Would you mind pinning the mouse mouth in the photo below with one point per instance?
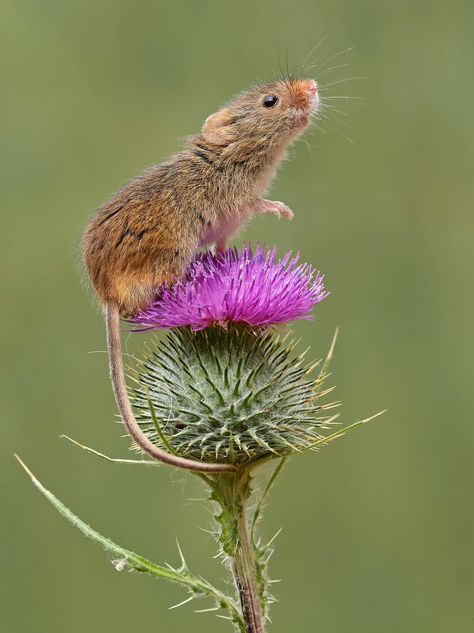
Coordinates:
(302, 116)
(306, 102)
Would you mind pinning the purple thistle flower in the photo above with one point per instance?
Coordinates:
(238, 287)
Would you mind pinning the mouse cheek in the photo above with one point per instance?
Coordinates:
(299, 119)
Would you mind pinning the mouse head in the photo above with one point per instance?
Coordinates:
(269, 115)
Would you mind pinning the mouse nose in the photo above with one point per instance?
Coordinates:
(305, 95)
(311, 87)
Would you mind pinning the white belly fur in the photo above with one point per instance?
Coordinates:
(224, 229)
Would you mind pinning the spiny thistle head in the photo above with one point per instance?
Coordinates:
(236, 287)
(228, 395)
(220, 387)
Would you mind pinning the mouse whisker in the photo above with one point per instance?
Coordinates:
(348, 97)
(340, 121)
(282, 74)
(285, 77)
(328, 115)
(328, 106)
(336, 55)
(306, 60)
(340, 81)
(315, 64)
(327, 109)
(332, 69)
(322, 68)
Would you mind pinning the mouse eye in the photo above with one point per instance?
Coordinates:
(270, 100)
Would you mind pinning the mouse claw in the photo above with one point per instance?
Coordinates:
(276, 208)
(280, 209)
(286, 212)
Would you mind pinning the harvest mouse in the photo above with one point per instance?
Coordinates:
(148, 232)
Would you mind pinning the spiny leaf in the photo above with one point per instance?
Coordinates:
(258, 508)
(344, 431)
(140, 462)
(182, 576)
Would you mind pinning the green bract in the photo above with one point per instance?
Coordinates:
(229, 395)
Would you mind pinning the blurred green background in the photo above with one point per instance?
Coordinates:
(378, 528)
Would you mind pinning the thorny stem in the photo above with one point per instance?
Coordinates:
(243, 570)
(232, 491)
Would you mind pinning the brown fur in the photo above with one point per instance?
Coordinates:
(148, 232)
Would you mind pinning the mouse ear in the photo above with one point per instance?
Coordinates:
(216, 128)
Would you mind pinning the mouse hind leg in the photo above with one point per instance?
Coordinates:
(134, 292)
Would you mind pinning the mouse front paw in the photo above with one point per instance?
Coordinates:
(276, 208)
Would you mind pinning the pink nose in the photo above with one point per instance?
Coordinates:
(311, 87)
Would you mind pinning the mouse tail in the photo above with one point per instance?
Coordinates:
(117, 376)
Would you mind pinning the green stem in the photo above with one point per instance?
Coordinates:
(232, 492)
(243, 570)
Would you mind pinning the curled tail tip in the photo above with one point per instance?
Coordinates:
(117, 376)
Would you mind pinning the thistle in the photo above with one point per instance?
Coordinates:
(229, 396)
(237, 287)
(223, 386)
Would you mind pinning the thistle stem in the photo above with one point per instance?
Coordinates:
(232, 492)
(243, 570)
